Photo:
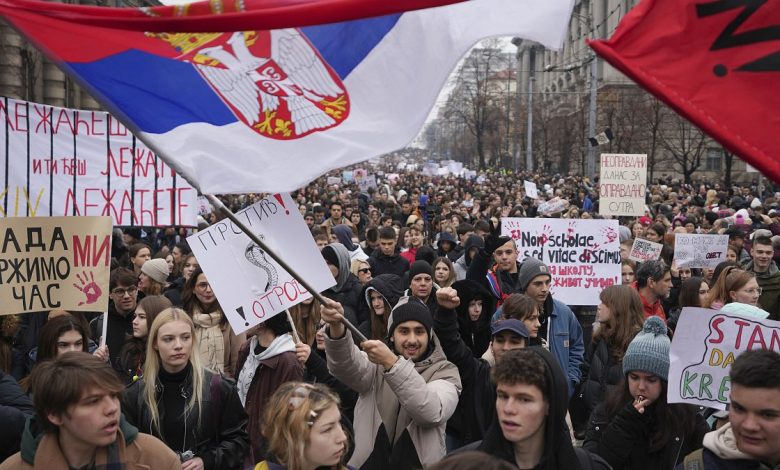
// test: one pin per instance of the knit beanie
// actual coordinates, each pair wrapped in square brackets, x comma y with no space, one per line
[531,268]
[649,350]
[157,269]
[410,309]
[420,267]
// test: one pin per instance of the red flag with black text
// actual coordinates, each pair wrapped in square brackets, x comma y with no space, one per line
[717,63]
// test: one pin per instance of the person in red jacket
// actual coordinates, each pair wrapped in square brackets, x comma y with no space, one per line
[654,282]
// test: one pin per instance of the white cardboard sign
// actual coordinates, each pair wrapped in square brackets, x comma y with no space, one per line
[644,250]
[530,189]
[583,256]
[693,250]
[252,287]
[622,184]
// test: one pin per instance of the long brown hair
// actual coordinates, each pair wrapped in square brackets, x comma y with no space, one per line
[732,278]
[626,321]
[307,320]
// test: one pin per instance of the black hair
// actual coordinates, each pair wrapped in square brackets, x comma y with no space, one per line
[655,270]
[759,368]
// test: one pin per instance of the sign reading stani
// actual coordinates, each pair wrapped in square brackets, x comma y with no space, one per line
[55,263]
[583,256]
[85,163]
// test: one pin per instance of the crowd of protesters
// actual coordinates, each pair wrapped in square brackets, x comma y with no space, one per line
[467,351]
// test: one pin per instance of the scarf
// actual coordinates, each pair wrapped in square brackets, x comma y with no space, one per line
[280,344]
[722,443]
[210,340]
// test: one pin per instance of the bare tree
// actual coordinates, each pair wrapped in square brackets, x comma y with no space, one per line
[684,142]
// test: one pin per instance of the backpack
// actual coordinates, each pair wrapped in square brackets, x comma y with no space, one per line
[694,460]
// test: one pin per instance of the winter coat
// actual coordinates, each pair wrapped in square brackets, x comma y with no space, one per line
[478,398]
[604,375]
[15,407]
[268,465]
[348,288]
[316,371]
[564,337]
[382,264]
[219,437]
[475,334]
[478,269]
[720,452]
[559,454]
[136,451]
[401,414]
[120,327]
[269,375]
[623,441]
[173,292]
[769,282]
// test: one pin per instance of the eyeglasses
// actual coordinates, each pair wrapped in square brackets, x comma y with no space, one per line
[364,270]
[202,285]
[126,291]
[758,290]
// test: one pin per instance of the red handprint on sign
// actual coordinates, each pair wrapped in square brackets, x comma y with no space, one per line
[546,234]
[610,234]
[89,287]
[571,230]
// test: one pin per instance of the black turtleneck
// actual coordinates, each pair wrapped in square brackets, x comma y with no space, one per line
[173,402]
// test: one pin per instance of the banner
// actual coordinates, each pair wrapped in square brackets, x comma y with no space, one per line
[68,162]
[644,250]
[250,286]
[314,86]
[705,344]
[530,189]
[622,184]
[715,63]
[693,250]
[51,263]
[583,256]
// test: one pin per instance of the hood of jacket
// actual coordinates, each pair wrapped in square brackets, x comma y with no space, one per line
[772,271]
[472,241]
[32,435]
[469,290]
[344,235]
[722,443]
[389,286]
[558,449]
[344,264]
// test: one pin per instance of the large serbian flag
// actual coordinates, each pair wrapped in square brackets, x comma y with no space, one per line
[235,108]
[715,62]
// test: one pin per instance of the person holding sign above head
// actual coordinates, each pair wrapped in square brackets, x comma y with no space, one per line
[751,439]
[121,310]
[636,428]
[304,431]
[266,360]
[407,388]
[195,411]
[214,338]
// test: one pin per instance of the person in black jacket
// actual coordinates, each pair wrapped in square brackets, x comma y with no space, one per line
[380,294]
[529,426]
[477,399]
[15,407]
[387,259]
[620,318]
[637,429]
[476,309]
[196,412]
[348,288]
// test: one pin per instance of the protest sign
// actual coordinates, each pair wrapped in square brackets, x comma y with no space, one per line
[55,263]
[347,176]
[367,182]
[622,184]
[645,250]
[552,206]
[583,256]
[705,344]
[430,169]
[693,250]
[68,162]
[204,206]
[250,286]
[530,189]
[334,180]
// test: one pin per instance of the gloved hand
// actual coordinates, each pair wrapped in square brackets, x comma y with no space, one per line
[494,239]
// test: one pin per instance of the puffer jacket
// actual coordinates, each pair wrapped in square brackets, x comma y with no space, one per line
[401,414]
[624,440]
[220,439]
[604,374]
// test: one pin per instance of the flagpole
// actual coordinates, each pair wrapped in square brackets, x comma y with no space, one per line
[230,215]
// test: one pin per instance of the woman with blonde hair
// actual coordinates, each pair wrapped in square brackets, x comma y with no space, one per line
[303,428]
[194,411]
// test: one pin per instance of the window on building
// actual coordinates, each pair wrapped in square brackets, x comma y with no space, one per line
[714,160]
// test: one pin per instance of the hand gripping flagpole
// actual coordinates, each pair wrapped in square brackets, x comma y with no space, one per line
[230,215]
